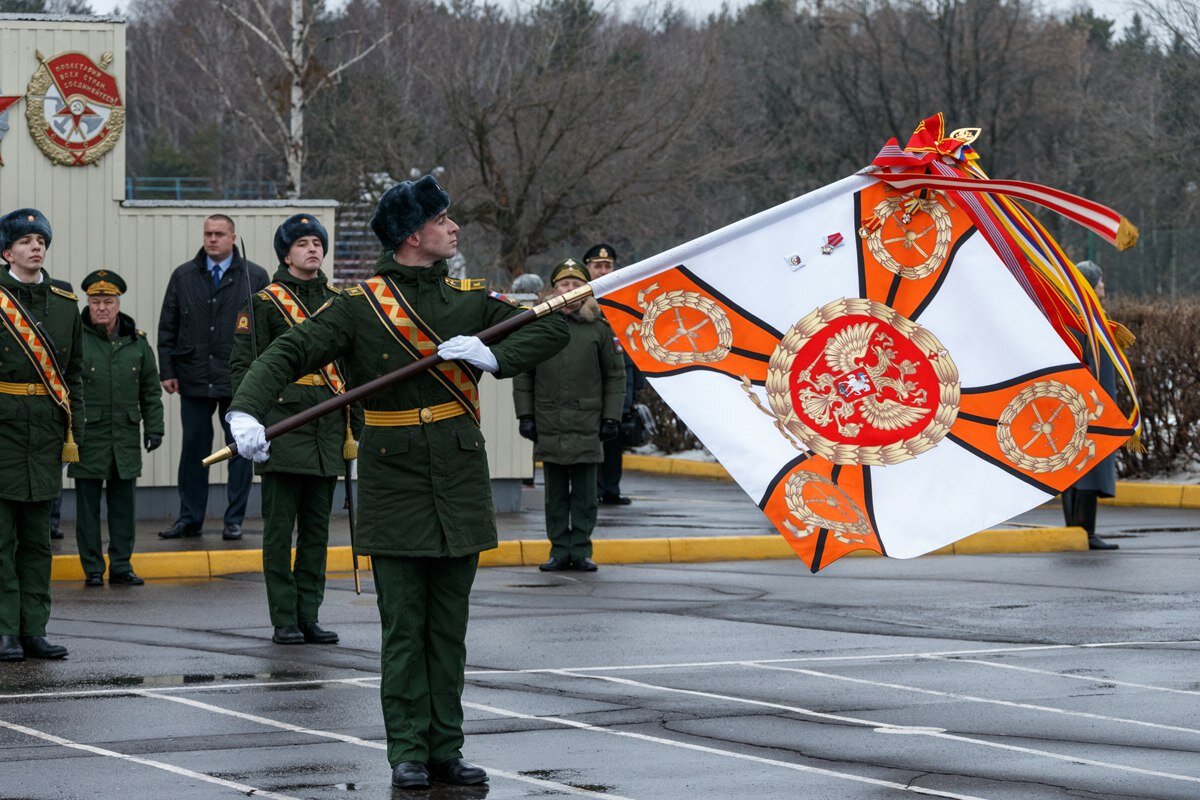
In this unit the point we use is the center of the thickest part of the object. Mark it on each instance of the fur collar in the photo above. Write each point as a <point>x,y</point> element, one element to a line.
<point>588,312</point>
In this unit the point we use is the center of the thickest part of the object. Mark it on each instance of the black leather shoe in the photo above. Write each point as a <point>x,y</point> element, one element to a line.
<point>56,534</point>
<point>10,649</point>
<point>287,634</point>
<point>130,578</point>
<point>1096,543</point>
<point>410,775</point>
<point>93,579</point>
<point>584,564</point>
<point>458,772</point>
<point>555,564</point>
<point>178,531</point>
<point>232,533</point>
<point>39,647</point>
<point>615,500</point>
<point>315,634</point>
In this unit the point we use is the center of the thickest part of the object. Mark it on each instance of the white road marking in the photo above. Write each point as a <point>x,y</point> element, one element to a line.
<point>876,724</point>
<point>354,740</point>
<point>1091,678</point>
<point>502,712</point>
<point>242,788</point>
<point>975,699</point>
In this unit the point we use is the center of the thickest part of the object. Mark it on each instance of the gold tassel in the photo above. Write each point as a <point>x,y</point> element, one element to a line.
<point>1127,234</point>
<point>1134,444</point>
<point>70,451</point>
<point>349,447</point>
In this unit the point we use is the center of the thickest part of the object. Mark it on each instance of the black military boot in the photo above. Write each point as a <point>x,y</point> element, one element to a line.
<point>410,775</point>
<point>458,772</point>
<point>10,649</point>
<point>287,634</point>
<point>39,647</point>
<point>315,634</point>
<point>555,564</point>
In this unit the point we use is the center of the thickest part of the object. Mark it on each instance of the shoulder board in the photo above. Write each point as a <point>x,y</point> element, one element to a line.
<point>466,284</point>
<point>263,296</point>
<point>354,291</point>
<point>333,288</point>
<point>63,293</point>
<point>503,298</point>
<point>324,306</point>
<point>140,332</point>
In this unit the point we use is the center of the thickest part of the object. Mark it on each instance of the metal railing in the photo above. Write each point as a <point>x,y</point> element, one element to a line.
<point>152,187</point>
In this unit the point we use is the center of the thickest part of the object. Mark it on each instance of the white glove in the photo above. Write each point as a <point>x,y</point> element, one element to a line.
<point>471,350</point>
<point>249,435</point>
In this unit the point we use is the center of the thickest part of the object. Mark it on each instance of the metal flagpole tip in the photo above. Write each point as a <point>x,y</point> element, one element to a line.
<point>224,454</point>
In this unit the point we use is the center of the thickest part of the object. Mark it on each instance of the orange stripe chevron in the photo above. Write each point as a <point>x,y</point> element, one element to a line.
<point>27,336</point>
<point>294,313</point>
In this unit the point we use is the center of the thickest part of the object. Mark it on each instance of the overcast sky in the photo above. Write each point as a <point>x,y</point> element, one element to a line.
<point>1119,10</point>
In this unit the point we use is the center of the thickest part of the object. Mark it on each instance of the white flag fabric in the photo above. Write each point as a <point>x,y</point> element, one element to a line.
<point>895,390</point>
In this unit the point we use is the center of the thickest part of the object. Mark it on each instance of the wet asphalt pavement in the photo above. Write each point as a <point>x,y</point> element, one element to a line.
<point>1064,675</point>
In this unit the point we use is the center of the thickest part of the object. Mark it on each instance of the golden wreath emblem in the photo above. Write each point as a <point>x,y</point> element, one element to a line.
<point>908,223</point>
<point>817,502</point>
<point>680,327</point>
<point>73,108</point>
<point>857,383</point>
<point>1044,428</point>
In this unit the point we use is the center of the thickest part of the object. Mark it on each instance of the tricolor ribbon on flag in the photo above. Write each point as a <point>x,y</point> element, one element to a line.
<point>907,389</point>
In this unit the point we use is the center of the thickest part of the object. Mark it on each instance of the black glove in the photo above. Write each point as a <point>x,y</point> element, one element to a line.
<point>153,440</point>
<point>528,429</point>
<point>609,428</point>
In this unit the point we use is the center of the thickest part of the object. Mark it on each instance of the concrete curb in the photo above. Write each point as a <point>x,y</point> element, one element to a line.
<point>204,564</point>
<point>1129,493</point>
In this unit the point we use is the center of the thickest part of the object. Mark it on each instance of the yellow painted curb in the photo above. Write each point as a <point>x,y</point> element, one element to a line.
<point>676,466</point>
<point>231,562</point>
<point>1143,493</point>
<point>507,554</point>
<point>1022,540</point>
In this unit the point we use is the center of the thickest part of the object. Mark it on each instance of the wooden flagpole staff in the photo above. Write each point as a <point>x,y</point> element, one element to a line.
<point>488,335</point>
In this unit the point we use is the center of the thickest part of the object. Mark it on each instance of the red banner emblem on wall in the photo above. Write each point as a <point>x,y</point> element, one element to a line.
<point>73,107</point>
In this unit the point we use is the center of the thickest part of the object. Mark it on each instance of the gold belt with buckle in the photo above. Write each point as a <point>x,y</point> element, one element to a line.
<point>416,416</point>
<point>23,388</point>
<point>312,379</point>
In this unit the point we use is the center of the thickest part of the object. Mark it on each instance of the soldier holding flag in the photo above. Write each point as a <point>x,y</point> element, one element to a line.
<point>41,405</point>
<point>299,479</point>
<point>425,510</point>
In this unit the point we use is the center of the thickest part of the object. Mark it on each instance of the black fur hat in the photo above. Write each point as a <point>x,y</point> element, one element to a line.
<point>295,227</point>
<point>23,222</point>
<point>407,206</point>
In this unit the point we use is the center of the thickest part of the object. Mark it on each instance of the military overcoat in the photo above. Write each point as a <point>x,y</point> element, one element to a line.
<point>424,490</point>
<point>122,395</point>
<point>569,394</point>
<point>33,428</point>
<point>316,448</point>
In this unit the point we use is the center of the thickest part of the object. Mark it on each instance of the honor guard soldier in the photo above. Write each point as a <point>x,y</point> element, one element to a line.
<point>124,411</point>
<point>41,418</point>
<point>299,479</point>
<point>425,503</point>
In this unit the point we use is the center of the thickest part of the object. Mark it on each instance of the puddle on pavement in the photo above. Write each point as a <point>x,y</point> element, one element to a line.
<point>563,776</point>
<point>159,681</point>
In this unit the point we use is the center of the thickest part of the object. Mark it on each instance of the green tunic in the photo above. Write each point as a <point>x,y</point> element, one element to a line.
<point>122,395</point>
<point>316,448</point>
<point>424,490</point>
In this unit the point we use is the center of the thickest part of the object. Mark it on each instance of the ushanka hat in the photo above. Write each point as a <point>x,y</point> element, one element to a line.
<point>1091,271</point>
<point>23,222</point>
<point>295,227</point>
<point>104,281</point>
<point>569,269</point>
<point>407,206</point>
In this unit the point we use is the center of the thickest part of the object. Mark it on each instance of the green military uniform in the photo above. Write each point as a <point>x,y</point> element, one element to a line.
<point>33,429</point>
<point>299,479</point>
<point>425,505</point>
<point>121,394</point>
<point>567,396</point>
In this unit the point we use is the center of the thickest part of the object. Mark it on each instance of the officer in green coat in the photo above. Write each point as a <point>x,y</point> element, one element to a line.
<point>425,504</point>
<point>123,399</point>
<point>567,405</point>
<point>41,421</point>
<point>299,479</point>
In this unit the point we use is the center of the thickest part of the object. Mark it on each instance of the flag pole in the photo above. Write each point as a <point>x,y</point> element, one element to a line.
<point>488,335</point>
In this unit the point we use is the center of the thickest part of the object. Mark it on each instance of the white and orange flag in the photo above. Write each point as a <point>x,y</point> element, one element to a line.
<point>883,368</point>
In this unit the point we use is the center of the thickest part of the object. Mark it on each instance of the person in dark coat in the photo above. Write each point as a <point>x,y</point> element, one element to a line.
<point>425,502</point>
<point>1081,500</point>
<point>42,413</point>
<point>121,395</point>
<point>195,340</point>
<point>298,480</point>
<point>567,406</point>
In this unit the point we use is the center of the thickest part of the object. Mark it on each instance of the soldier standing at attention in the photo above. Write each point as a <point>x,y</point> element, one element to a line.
<point>299,479</point>
<point>41,405</point>
<point>120,389</point>
<point>425,502</point>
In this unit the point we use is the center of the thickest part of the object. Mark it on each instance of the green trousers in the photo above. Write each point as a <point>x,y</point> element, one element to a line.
<point>301,503</point>
<point>570,509</point>
<point>25,560</point>
<point>120,495</point>
<point>423,605</point>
